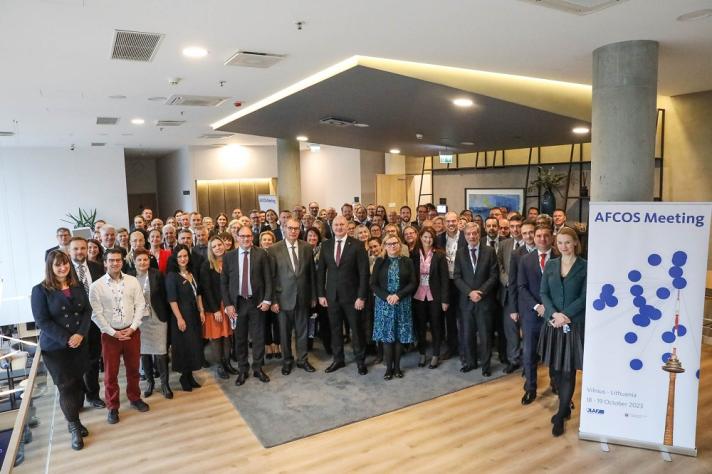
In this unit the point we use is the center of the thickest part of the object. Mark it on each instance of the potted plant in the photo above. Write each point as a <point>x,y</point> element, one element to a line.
<point>82,219</point>
<point>548,181</point>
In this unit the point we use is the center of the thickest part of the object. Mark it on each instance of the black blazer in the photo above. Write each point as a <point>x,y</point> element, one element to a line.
<point>260,276</point>
<point>408,282</point>
<point>442,240</point>
<point>210,282</point>
<point>439,280</point>
<point>512,285</point>
<point>60,317</point>
<point>159,301</point>
<point>347,281</point>
<point>485,278</point>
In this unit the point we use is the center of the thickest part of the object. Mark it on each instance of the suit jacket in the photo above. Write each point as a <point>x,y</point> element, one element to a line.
<point>201,250</point>
<point>442,240</point>
<point>439,279</point>
<point>278,234</point>
<point>260,276</point>
<point>293,289</point>
<point>529,284</point>
<point>347,281</point>
<point>504,259</point>
<point>512,285</point>
<point>60,317</point>
<point>565,295</point>
<point>484,278</point>
<point>407,280</point>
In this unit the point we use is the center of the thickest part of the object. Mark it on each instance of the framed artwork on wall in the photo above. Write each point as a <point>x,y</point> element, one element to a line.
<point>481,200</point>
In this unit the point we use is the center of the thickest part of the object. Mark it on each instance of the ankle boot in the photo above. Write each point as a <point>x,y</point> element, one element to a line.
<point>193,383</point>
<point>147,363</point>
<point>220,370</point>
<point>162,362</point>
<point>228,367</point>
<point>185,383</point>
<point>76,432</point>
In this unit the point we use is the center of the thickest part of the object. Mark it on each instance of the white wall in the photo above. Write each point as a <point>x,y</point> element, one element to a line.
<point>331,176</point>
<point>38,186</point>
<point>174,175</point>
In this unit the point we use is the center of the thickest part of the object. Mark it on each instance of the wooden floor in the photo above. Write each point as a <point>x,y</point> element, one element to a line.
<point>480,429</point>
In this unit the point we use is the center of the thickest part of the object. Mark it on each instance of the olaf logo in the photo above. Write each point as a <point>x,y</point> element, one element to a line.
<point>596,411</point>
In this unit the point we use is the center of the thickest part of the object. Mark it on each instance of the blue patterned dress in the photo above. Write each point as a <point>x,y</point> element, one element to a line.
<point>393,323</point>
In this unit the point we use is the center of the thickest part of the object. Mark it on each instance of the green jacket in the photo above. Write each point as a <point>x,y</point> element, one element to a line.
<point>565,295</point>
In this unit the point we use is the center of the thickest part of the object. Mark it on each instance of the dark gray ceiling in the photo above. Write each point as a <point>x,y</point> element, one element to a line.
<point>397,107</point>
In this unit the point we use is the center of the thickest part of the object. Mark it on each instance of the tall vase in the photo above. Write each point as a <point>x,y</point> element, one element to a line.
<point>548,202</point>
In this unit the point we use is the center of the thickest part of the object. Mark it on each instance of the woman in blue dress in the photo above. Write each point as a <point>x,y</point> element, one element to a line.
<point>393,281</point>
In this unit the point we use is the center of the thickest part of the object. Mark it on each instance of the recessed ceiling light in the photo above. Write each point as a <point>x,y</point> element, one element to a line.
<point>302,138</point>
<point>314,147</point>
<point>138,121</point>
<point>158,98</point>
<point>394,151</point>
<point>360,125</point>
<point>463,102</point>
<point>467,143</point>
<point>117,96</point>
<point>581,130</point>
<point>696,15</point>
<point>195,52</point>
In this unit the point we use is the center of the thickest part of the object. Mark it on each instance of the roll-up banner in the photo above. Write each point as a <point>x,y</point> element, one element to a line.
<point>647,264</point>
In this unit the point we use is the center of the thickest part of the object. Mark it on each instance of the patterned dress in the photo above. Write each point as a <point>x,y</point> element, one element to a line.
<point>393,323</point>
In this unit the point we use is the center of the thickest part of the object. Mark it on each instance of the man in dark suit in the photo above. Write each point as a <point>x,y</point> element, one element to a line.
<point>294,294</point>
<point>451,241</point>
<point>476,275</point>
<point>342,286</point>
<point>246,284</point>
<point>88,272</point>
<point>281,231</point>
<point>405,214</point>
<point>531,309</point>
<point>185,237</point>
<point>257,227</point>
<point>63,236</point>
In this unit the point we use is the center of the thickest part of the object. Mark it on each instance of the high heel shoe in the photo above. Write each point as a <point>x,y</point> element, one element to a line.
<point>185,384</point>
<point>558,428</point>
<point>434,362</point>
<point>421,362</point>
<point>193,383</point>
<point>565,416</point>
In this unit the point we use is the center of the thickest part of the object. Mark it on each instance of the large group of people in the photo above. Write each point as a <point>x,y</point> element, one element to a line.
<point>193,291</point>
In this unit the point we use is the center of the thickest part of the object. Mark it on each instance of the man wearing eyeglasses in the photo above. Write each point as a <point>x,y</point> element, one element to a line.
<point>246,283</point>
<point>63,237</point>
<point>294,294</point>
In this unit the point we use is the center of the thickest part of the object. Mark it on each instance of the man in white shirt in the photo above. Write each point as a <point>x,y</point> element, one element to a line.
<point>117,303</point>
<point>451,240</point>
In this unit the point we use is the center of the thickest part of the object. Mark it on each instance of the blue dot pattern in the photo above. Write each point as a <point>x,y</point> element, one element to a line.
<point>663,293</point>
<point>606,298</point>
<point>636,364</point>
<point>654,259</point>
<point>666,357</point>
<point>631,337</point>
<point>634,275</point>
<point>669,337</point>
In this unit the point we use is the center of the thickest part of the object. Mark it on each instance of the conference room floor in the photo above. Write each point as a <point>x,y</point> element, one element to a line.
<point>480,429</point>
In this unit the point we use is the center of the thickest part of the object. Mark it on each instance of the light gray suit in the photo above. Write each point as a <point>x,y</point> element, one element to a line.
<point>294,291</point>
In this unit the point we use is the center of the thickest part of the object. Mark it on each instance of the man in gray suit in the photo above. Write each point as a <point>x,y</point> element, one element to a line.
<point>476,275</point>
<point>294,293</point>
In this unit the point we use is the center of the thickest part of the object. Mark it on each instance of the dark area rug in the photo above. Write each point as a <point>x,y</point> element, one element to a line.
<point>302,404</point>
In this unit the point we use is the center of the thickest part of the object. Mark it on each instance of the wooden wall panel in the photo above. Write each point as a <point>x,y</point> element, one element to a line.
<point>261,187</point>
<point>232,196</point>
<point>216,194</point>
<point>248,197</point>
<point>201,197</point>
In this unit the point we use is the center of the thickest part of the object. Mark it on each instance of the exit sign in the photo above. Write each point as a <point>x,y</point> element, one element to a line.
<point>445,159</point>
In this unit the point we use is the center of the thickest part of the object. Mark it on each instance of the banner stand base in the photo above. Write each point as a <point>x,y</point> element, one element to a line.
<point>665,450</point>
<point>666,456</point>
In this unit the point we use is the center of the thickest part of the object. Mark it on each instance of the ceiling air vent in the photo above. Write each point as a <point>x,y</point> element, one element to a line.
<point>135,45</point>
<point>7,134</point>
<point>577,7</point>
<point>340,122</point>
<point>196,100</point>
<point>216,135</point>
<point>169,123</point>
<point>98,144</point>
<point>254,59</point>
<point>107,120</point>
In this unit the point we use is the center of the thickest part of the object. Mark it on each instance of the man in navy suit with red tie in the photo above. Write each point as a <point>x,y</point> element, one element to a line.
<point>531,311</point>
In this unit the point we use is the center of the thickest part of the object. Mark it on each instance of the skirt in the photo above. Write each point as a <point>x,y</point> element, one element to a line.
<point>215,330</point>
<point>154,336</point>
<point>67,365</point>
<point>561,352</point>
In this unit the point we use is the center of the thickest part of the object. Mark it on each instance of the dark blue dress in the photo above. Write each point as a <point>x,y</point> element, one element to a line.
<point>393,323</point>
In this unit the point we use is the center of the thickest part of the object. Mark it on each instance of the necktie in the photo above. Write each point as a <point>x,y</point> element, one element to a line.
<point>338,252</point>
<point>491,243</point>
<point>517,245</point>
<point>295,260</point>
<point>473,252</point>
<point>542,261</point>
<point>83,277</point>
<point>244,289</point>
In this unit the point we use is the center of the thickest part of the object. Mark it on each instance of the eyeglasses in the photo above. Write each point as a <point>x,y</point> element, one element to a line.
<point>292,228</point>
<point>245,236</point>
<point>392,244</point>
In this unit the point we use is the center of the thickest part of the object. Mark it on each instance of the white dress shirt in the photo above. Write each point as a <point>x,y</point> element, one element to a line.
<point>116,305</point>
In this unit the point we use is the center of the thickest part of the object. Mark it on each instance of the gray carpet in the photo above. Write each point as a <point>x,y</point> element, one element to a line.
<point>302,404</point>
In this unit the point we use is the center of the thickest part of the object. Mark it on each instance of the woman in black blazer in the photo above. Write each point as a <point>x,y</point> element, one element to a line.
<point>563,294</point>
<point>154,326</point>
<point>393,281</point>
<point>61,309</point>
<point>432,297</point>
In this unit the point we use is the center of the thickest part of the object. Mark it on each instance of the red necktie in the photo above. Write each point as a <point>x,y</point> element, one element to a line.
<point>244,289</point>
<point>542,261</point>
<point>338,252</point>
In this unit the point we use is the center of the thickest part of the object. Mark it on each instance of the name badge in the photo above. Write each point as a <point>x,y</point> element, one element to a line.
<point>425,279</point>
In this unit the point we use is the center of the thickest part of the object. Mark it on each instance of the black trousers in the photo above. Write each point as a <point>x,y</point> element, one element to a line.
<point>294,321</point>
<point>272,330</point>
<point>324,327</point>
<point>428,312</point>
<point>452,315</point>
<point>90,382</point>
<point>337,313</point>
<point>250,321</point>
<point>475,318</point>
<point>66,366</point>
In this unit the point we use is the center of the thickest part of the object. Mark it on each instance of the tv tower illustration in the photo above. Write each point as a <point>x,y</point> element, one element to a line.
<point>673,366</point>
